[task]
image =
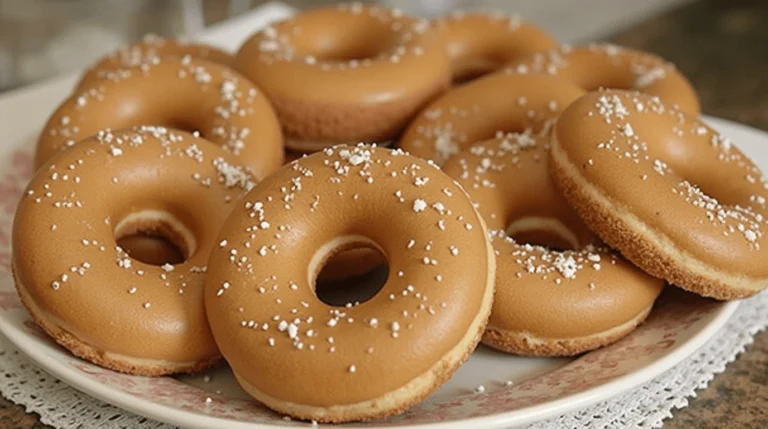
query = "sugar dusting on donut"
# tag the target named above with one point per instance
(347, 163)
(117, 144)
(262, 274)
(647, 69)
(236, 105)
(514, 21)
(276, 41)
(508, 181)
(627, 143)
(481, 166)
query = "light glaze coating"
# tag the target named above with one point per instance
(547, 302)
(346, 73)
(482, 42)
(478, 110)
(311, 360)
(669, 192)
(606, 66)
(150, 47)
(83, 289)
(223, 106)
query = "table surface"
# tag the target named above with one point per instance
(721, 46)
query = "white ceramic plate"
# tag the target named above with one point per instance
(541, 388)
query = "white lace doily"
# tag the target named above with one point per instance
(645, 407)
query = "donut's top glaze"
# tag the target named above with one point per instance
(674, 174)
(259, 292)
(347, 73)
(478, 110)
(481, 42)
(188, 94)
(149, 48)
(579, 289)
(607, 66)
(65, 255)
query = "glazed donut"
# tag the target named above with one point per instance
(149, 48)
(478, 110)
(338, 364)
(346, 74)
(674, 196)
(83, 289)
(547, 302)
(223, 106)
(481, 42)
(598, 66)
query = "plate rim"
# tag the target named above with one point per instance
(518, 417)
(526, 415)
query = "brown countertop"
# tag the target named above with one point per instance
(723, 47)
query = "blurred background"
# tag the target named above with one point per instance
(719, 44)
(41, 38)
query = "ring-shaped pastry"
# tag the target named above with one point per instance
(83, 289)
(346, 74)
(674, 196)
(196, 95)
(562, 300)
(305, 358)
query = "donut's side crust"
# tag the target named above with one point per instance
(103, 358)
(527, 344)
(414, 392)
(648, 249)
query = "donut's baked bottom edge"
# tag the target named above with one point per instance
(650, 250)
(114, 361)
(526, 344)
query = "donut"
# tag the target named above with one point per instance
(150, 47)
(83, 289)
(559, 290)
(346, 73)
(479, 109)
(598, 66)
(211, 99)
(675, 197)
(365, 360)
(482, 42)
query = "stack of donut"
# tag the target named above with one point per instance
(539, 199)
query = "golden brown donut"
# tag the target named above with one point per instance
(338, 364)
(346, 73)
(478, 110)
(669, 192)
(192, 95)
(549, 301)
(83, 289)
(146, 50)
(598, 66)
(482, 42)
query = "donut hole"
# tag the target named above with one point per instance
(545, 232)
(358, 39)
(367, 265)
(154, 238)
